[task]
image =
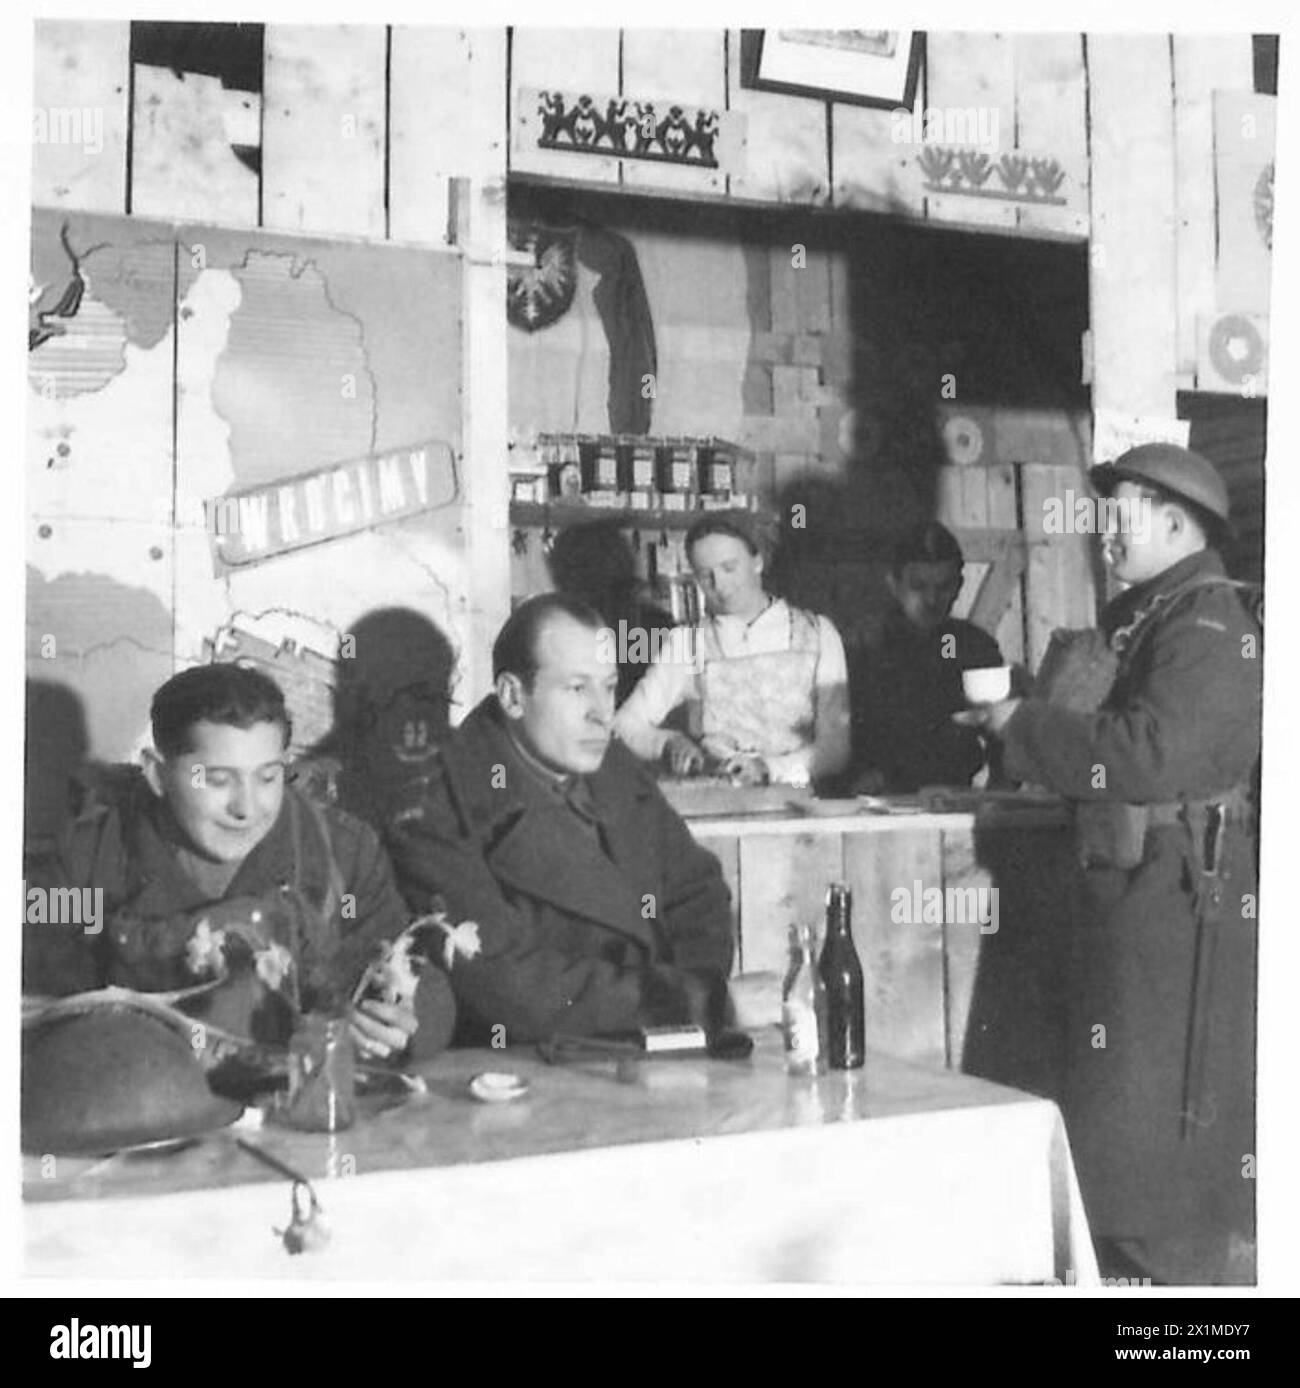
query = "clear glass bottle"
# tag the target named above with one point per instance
(803, 1008)
(841, 972)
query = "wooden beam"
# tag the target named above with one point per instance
(479, 219)
(966, 71)
(1203, 63)
(447, 119)
(872, 171)
(685, 65)
(901, 960)
(1133, 296)
(786, 141)
(324, 128)
(1052, 120)
(784, 879)
(576, 62)
(1059, 588)
(79, 89)
(183, 165)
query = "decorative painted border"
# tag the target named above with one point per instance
(963, 172)
(663, 132)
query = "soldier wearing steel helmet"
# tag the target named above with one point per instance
(1159, 1094)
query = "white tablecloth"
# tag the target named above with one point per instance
(982, 1192)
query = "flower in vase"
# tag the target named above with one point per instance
(273, 965)
(204, 956)
(460, 939)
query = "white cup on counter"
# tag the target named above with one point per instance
(987, 686)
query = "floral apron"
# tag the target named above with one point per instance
(760, 703)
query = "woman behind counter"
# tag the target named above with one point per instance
(764, 684)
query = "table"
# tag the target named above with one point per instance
(694, 1170)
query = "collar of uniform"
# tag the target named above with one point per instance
(570, 788)
(548, 775)
(1204, 563)
(483, 738)
(158, 839)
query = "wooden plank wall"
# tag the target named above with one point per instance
(1133, 282)
(781, 879)
(326, 141)
(324, 128)
(83, 66)
(821, 153)
(943, 994)
(365, 127)
(1202, 64)
(973, 71)
(985, 498)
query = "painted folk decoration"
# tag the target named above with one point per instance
(668, 132)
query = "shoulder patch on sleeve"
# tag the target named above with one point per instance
(1213, 626)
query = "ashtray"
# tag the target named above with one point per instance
(498, 1086)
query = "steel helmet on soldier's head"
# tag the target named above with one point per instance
(1178, 471)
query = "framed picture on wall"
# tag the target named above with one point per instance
(869, 67)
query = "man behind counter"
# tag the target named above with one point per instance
(906, 687)
(207, 834)
(596, 911)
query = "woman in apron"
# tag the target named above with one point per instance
(763, 684)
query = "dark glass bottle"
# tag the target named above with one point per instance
(841, 972)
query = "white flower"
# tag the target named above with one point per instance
(394, 973)
(461, 939)
(273, 964)
(203, 950)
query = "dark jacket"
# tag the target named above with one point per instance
(1183, 718)
(903, 691)
(320, 877)
(585, 929)
(1159, 1103)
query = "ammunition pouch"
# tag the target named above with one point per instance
(1111, 834)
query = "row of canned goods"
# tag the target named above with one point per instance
(675, 474)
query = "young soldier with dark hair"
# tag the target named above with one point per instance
(596, 910)
(1161, 1029)
(905, 687)
(207, 839)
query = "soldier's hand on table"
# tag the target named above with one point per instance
(746, 769)
(683, 756)
(988, 718)
(756, 999)
(382, 1029)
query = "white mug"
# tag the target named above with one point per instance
(987, 686)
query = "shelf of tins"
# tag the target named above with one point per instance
(664, 481)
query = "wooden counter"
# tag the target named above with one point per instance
(948, 991)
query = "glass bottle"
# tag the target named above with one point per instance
(803, 1008)
(841, 972)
